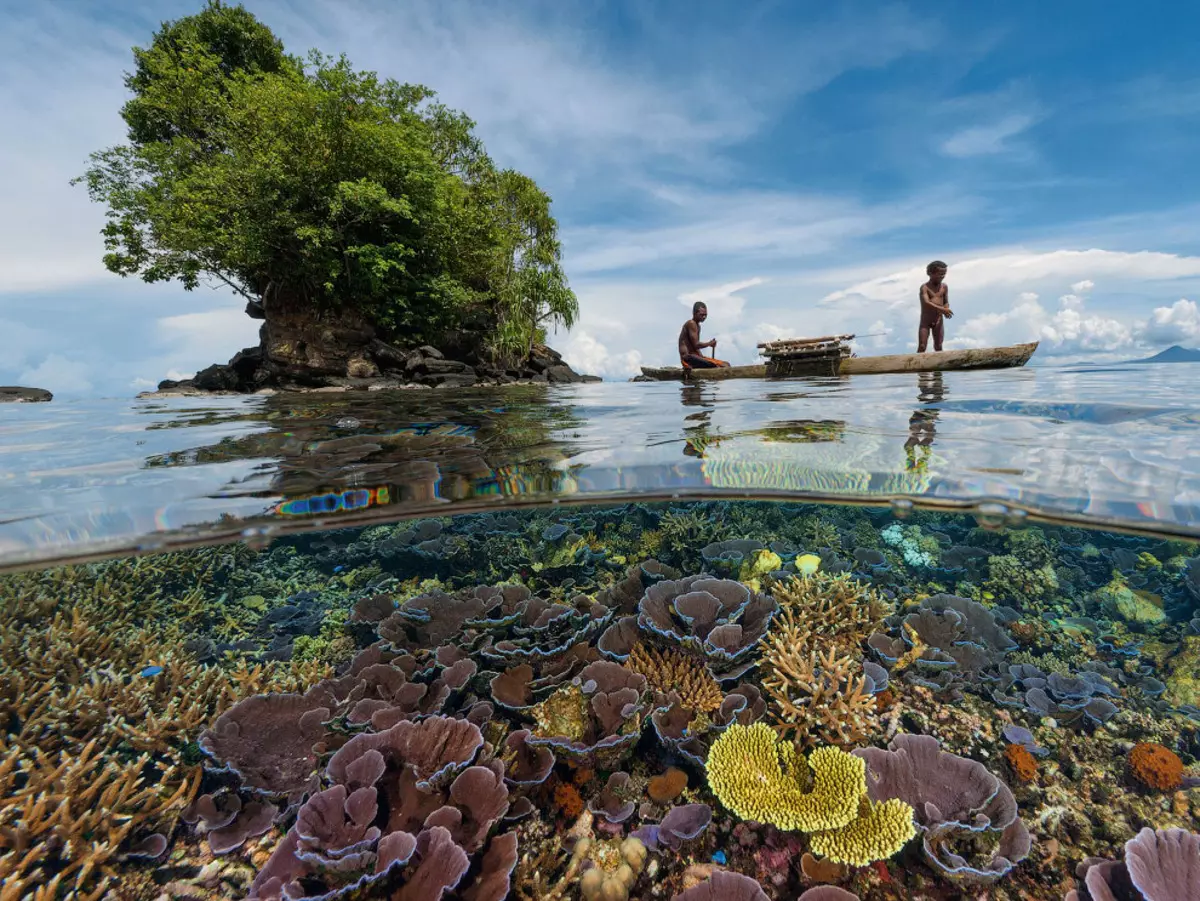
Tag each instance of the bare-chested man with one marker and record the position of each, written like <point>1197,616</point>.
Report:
<point>935,307</point>
<point>690,344</point>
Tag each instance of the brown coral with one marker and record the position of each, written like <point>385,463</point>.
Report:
<point>1021,762</point>
<point>1156,766</point>
<point>831,610</point>
<point>568,800</point>
<point>666,787</point>
<point>819,697</point>
<point>671,670</point>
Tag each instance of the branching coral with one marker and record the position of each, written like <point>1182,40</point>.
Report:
<point>670,670</point>
<point>819,697</point>
<point>835,610</point>
<point>98,710</point>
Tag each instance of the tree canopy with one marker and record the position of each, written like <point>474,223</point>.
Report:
<point>306,183</point>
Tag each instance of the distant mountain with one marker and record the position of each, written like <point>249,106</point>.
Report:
<point>1174,354</point>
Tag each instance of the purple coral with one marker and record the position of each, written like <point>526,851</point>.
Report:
<point>1162,865</point>
<point>268,740</point>
<point>614,699</point>
<point>724,886</point>
<point>719,618</point>
<point>950,795</point>
<point>681,824</point>
<point>541,629</point>
<point>612,803</point>
<point>408,805</point>
<point>674,723</point>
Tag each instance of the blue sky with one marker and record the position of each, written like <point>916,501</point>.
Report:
<point>793,164</point>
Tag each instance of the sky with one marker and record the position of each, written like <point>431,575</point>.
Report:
<point>793,165</point>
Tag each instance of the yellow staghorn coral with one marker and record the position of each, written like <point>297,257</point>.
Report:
<point>879,832</point>
<point>816,698</point>
<point>674,671</point>
<point>831,609</point>
<point>761,778</point>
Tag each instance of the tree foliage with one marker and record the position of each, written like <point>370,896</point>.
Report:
<point>307,183</point>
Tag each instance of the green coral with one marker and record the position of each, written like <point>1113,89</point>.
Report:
<point>1011,579</point>
<point>1134,606</point>
<point>1183,673</point>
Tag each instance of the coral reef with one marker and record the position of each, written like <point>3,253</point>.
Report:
<point>626,701</point>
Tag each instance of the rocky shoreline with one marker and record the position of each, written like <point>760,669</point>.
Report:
<point>381,367</point>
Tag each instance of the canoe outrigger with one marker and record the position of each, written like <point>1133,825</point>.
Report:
<point>785,362</point>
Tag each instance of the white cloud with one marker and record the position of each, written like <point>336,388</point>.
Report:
<point>58,375</point>
<point>723,301</point>
<point>979,140</point>
<point>1017,269</point>
<point>1083,287</point>
<point>1176,324</point>
<point>587,355</point>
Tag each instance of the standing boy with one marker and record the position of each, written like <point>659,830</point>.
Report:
<point>935,307</point>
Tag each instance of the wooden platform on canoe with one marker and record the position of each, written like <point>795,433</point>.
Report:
<point>977,358</point>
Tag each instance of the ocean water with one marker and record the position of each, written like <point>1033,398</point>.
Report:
<point>929,636</point>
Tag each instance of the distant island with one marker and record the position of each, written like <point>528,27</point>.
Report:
<point>1173,354</point>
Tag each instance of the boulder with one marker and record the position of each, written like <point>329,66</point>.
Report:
<point>448,379</point>
<point>14,394</point>
<point>434,365</point>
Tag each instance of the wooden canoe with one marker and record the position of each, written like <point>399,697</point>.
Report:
<point>978,358</point>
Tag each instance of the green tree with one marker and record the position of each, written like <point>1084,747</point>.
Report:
<point>325,193</point>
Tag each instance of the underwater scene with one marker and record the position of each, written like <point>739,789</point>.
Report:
<point>689,699</point>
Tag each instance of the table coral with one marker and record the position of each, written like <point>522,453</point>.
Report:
<point>759,777</point>
<point>879,831</point>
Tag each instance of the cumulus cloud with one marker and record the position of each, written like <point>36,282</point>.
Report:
<point>1176,324</point>
<point>1070,330</point>
<point>59,375</point>
<point>722,301</point>
<point>588,355</point>
<point>1083,287</point>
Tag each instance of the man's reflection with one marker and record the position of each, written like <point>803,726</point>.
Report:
<point>922,425</point>
<point>696,424</point>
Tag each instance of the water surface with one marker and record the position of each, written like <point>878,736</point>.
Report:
<point>1114,445</point>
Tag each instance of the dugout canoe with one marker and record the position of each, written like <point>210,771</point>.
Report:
<point>976,358</point>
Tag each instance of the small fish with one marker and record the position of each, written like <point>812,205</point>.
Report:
<point>150,671</point>
<point>338,568</point>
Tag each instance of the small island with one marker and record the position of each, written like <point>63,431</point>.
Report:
<point>363,221</point>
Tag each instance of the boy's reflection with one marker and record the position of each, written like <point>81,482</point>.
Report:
<point>922,425</point>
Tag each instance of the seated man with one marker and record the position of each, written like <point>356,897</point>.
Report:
<point>690,344</point>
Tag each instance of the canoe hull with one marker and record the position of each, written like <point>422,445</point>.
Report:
<point>976,358</point>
